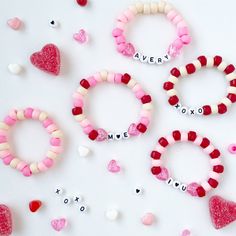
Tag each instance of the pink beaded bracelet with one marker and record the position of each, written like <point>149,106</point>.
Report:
<point>128,49</point>
<point>194,188</point>
<point>100,134</point>
<point>56,135</point>
<point>202,61</point>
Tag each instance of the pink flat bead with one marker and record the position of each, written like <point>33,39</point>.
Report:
<point>146,113</point>
<point>9,121</point>
<point>88,129</point>
<point>26,171</point>
<point>3,139</point>
<point>186,39</point>
<point>35,114</point>
<point>232,148</point>
<point>177,19</point>
<point>57,149</point>
<point>97,77</point>
<point>48,162</point>
<point>186,232</point>
<point>28,113</point>
<point>78,96</point>
<point>13,115</point>
<point>136,88</point>
<point>3,132</point>
<point>121,47</point>
<point>51,128</point>
<point>120,39</point>
<point>21,166</point>
<point>92,81</point>
<point>118,78</point>
<point>55,141</point>
<point>120,25</point>
<point>139,94</point>
<point>85,123</point>
<point>171,15</point>
<point>42,167</point>
<point>122,18</point>
<point>111,77</point>
<point>117,32</point>
<point>129,15</point>
<point>78,103</point>
<point>183,31</point>
<point>181,24</point>
<point>47,122</point>
<point>7,160</point>
<point>4,153</point>
<point>145,121</point>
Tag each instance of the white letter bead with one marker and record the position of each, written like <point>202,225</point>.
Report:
<point>110,137</point>
<point>159,61</point>
<point>67,200</point>
<point>78,198</point>
<point>200,111</point>
<point>184,110</point>
<point>144,59</point>
<point>166,57</point>
<point>151,60</point>
<point>59,191</point>
<point>83,208</point>
<point>176,184</point>
<point>191,111</point>
<point>170,181</point>
<point>125,135</point>
<point>137,56</point>
<point>118,136</point>
<point>178,106</point>
<point>183,187</point>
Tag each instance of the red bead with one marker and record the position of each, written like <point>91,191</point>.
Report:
<point>215,154</point>
<point>206,110</point>
<point>141,128</point>
<point>175,72</point>
<point>35,205</point>
<point>155,155</point>
<point>233,83</point>
<point>82,3</point>
<point>173,100</point>
<point>163,142</point>
<point>218,169</point>
<point>232,97</point>
<point>146,99</point>
<point>205,143</point>
<point>156,170</point>
<point>213,183</point>
<point>190,68</point>
<point>168,85</point>
<point>201,191</point>
<point>84,83</point>
<point>125,78</point>
<point>176,135</point>
<point>93,134</point>
<point>202,60</point>
<point>77,111</point>
<point>222,108</point>
<point>217,60</point>
<point>229,69</point>
<point>192,136</point>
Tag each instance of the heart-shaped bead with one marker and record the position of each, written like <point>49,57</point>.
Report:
<point>129,50</point>
<point>5,220</point>
<point>35,205</point>
<point>102,135</point>
<point>163,175</point>
<point>83,151</point>
<point>15,68</point>
<point>48,59</point>
<point>192,189</point>
<point>15,23</point>
<point>113,166</point>
<point>59,224</point>
<point>132,131</point>
<point>81,36</point>
<point>222,212</point>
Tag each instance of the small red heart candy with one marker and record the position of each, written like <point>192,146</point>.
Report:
<point>35,205</point>
<point>48,59</point>
<point>5,220</point>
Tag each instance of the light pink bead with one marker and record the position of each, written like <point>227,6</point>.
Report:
<point>3,139</point>
<point>145,121</point>
<point>55,141</point>
<point>139,94</point>
<point>28,113</point>
<point>214,175</point>
<point>156,162</point>
<point>122,18</point>
<point>57,149</point>
<point>178,44</point>
<point>21,165</point>
<point>36,114</point>
<point>88,129</point>
<point>129,15</point>
<point>146,113</point>
<point>85,123</point>
<point>92,81</point>
<point>7,160</point>
<point>181,24</point>
<point>117,32</point>
<point>97,77</point>
<point>148,219</point>
<point>232,148</point>
<point>184,136</point>
<point>26,171</point>
<point>160,149</point>
<point>171,15</point>
<point>3,132</point>
<point>121,47</point>
<point>51,128</point>
<point>120,39</point>
<point>183,31</point>
<point>170,139</point>
<point>120,25</point>
<point>186,39</point>
<point>42,167</point>
<point>136,88</point>
<point>186,232</point>
<point>118,78</point>
<point>78,103</point>
<point>78,96</point>
<point>206,186</point>
<point>9,121</point>
<point>13,115</point>
<point>48,162</point>
<point>47,122</point>
<point>215,161</point>
<point>111,77</point>
<point>177,19</point>
<point>4,153</point>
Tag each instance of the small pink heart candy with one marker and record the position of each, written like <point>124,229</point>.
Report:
<point>113,166</point>
<point>192,189</point>
<point>81,36</point>
<point>186,232</point>
<point>59,224</point>
<point>148,219</point>
<point>129,50</point>
<point>132,131</point>
<point>164,175</point>
<point>102,135</point>
<point>14,23</point>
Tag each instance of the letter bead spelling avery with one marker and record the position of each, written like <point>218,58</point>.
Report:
<point>194,189</point>
<point>206,110</point>
<point>100,134</point>
<point>127,49</point>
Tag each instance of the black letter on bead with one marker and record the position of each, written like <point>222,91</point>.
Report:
<point>66,201</point>
<point>125,134</point>
<point>177,106</point>
<point>110,136</point>
<point>76,199</point>
<point>58,191</point>
<point>159,60</point>
<point>184,110</point>
<point>192,112</point>
<point>136,56</point>
<point>184,188</point>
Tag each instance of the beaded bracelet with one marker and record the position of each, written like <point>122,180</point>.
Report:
<point>8,158</point>
<point>191,68</point>
<point>194,188</point>
<point>128,49</point>
<point>100,134</point>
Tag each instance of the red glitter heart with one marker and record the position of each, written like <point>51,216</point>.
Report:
<point>5,220</point>
<point>35,205</point>
<point>48,59</point>
<point>222,212</point>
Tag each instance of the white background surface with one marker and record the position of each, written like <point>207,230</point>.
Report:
<point>113,108</point>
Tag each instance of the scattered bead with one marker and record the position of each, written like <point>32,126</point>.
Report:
<point>59,191</point>
<point>67,200</point>
<point>53,23</point>
<point>81,37</point>
<point>232,148</point>
<point>35,205</point>
<point>14,23</point>
<point>78,199</point>
<point>186,232</point>
<point>59,224</point>
<point>113,166</point>
<point>82,3</point>
<point>5,220</point>
<point>83,208</point>
<point>148,219</point>
<point>112,214</point>
<point>15,69</point>
<point>138,191</point>
<point>84,151</point>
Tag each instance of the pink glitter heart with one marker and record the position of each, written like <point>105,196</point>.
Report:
<point>81,36</point>
<point>59,224</point>
<point>5,220</point>
<point>132,131</point>
<point>14,23</point>
<point>192,189</point>
<point>129,50</point>
<point>113,166</point>
<point>102,135</point>
<point>164,175</point>
<point>186,232</point>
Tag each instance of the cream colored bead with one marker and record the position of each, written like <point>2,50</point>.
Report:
<point>83,91</point>
<point>104,75</point>
<point>80,118</point>
<point>183,71</point>
<point>20,115</point>
<point>226,101</point>
<point>161,7</point>
<point>231,76</point>
<point>131,83</point>
<point>173,79</point>
<point>139,7</point>
<point>57,134</point>
<point>197,64</point>
<point>4,146</point>
<point>52,155</point>
<point>14,163</point>
<point>43,116</point>
<point>210,62</point>
<point>168,8</point>
<point>222,66</point>
<point>171,92</point>
<point>147,106</point>
<point>34,168</point>
<point>154,7</point>
<point>133,9</point>
<point>214,109</point>
<point>231,89</point>
<point>146,8</point>
<point>4,126</point>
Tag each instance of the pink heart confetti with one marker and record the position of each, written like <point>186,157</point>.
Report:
<point>192,189</point>
<point>132,131</point>
<point>81,36</point>
<point>186,232</point>
<point>129,50</point>
<point>14,23</point>
<point>113,166</point>
<point>102,135</point>
<point>5,220</point>
<point>59,224</point>
<point>164,175</point>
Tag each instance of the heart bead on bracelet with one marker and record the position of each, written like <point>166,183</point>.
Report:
<point>128,49</point>
<point>100,134</point>
<point>202,61</point>
<point>55,133</point>
<point>194,189</point>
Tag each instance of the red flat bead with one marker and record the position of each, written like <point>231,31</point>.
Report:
<point>175,72</point>
<point>173,100</point>
<point>84,83</point>
<point>222,108</point>
<point>168,85</point>
<point>190,68</point>
<point>146,99</point>
<point>201,191</point>
<point>206,110</point>
<point>213,183</point>
<point>229,69</point>
<point>233,83</point>
<point>77,111</point>
<point>155,155</point>
<point>176,135</point>
<point>192,136</point>
<point>163,142</point>
<point>217,60</point>
<point>141,128</point>
<point>218,169</point>
<point>205,143</point>
<point>82,3</point>
<point>203,60</point>
<point>156,170</point>
<point>125,78</point>
<point>232,97</point>
<point>215,154</point>
<point>93,134</point>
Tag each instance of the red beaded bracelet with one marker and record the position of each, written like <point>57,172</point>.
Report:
<point>191,68</point>
<point>194,188</point>
<point>100,134</point>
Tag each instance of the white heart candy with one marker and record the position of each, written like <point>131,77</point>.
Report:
<point>15,68</point>
<point>112,214</point>
<point>83,151</point>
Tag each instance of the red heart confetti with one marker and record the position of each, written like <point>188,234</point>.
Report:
<point>48,59</point>
<point>82,3</point>
<point>35,205</point>
<point>222,212</point>
<point>5,221</point>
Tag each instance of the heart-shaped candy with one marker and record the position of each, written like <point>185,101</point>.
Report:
<point>113,166</point>
<point>5,220</point>
<point>132,131</point>
<point>35,205</point>
<point>163,175</point>
<point>192,189</point>
<point>129,50</point>
<point>48,59</point>
<point>83,151</point>
<point>102,135</point>
<point>222,212</point>
<point>15,68</point>
<point>59,224</point>
<point>15,23</point>
<point>81,36</point>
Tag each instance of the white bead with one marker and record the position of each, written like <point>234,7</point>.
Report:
<point>137,56</point>
<point>110,136</point>
<point>59,191</point>
<point>139,7</point>
<point>146,9</point>
<point>154,7</point>
<point>178,106</point>
<point>131,83</point>
<point>80,117</point>
<point>183,187</point>
<point>210,62</point>
<point>226,101</point>
<point>176,184</point>
<point>4,126</point>
<point>222,66</point>
<point>83,208</point>
<point>112,214</point>
<point>53,23</point>
<point>162,6</point>
<point>210,148</point>
<point>214,109</point>
<point>173,79</point>
<point>4,146</point>
<point>138,191</point>
<point>231,76</point>
<point>83,91</point>
<point>67,200</point>
<point>125,135</point>
<point>166,57</point>
<point>83,151</point>
<point>78,198</point>
<point>144,59</point>
<point>184,136</point>
<point>169,181</point>
<point>147,106</point>
<point>183,71</point>
<point>133,9</point>
<point>231,89</point>
<point>15,69</point>
<point>199,111</point>
<point>171,92</point>
<point>197,64</point>
<point>184,110</point>
<point>43,116</point>
<point>159,61</point>
<point>216,161</point>
<point>168,8</point>
<point>118,136</point>
<point>151,60</point>
<point>104,75</point>
<point>192,111</point>
<point>20,115</point>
